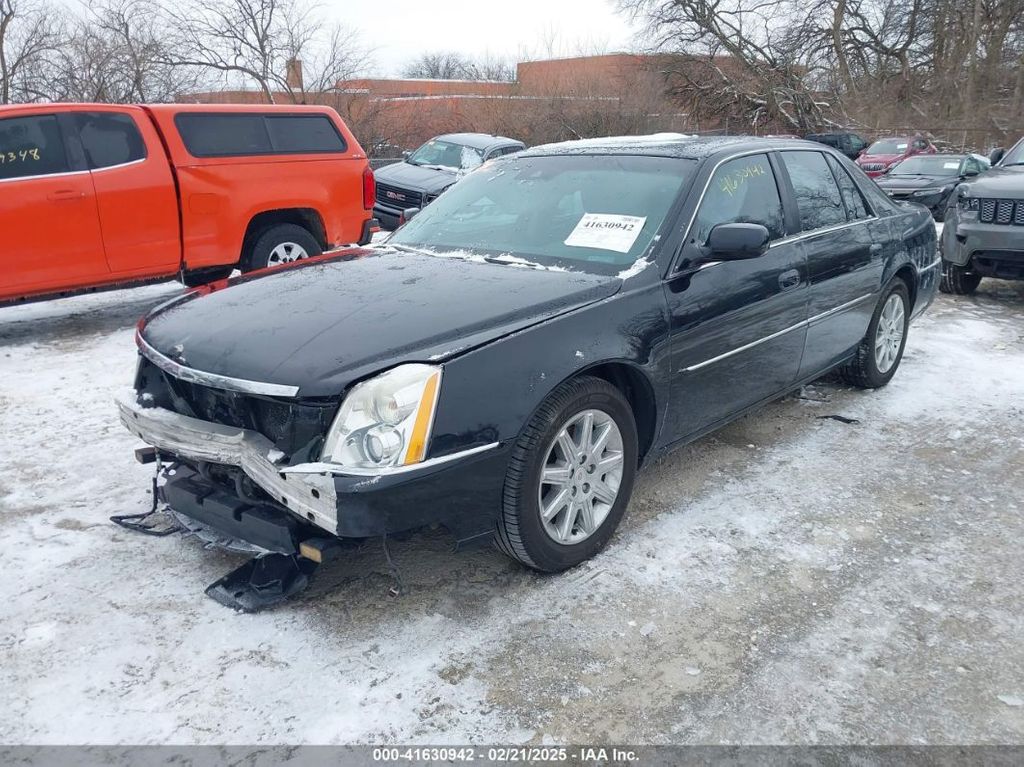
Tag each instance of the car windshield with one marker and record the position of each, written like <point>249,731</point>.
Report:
<point>1015,156</point>
<point>447,154</point>
<point>928,165</point>
<point>596,213</point>
<point>888,146</point>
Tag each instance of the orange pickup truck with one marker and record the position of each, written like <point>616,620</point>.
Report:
<point>98,195</point>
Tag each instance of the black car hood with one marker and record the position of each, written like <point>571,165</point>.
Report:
<point>417,177</point>
<point>999,182</point>
<point>323,324</point>
<point>917,182</point>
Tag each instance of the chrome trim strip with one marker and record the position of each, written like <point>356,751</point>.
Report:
<point>930,266</point>
<point>837,309</point>
<point>822,230</point>
<point>214,380</point>
<point>805,323</point>
<point>348,471</point>
<point>745,347</point>
<point>119,165</point>
<point>64,174</point>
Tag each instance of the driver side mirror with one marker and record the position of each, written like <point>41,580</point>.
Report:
<point>736,242</point>
<point>406,155</point>
<point>996,155</point>
<point>970,171</point>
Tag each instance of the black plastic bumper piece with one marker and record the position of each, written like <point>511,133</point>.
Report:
<point>262,582</point>
<point>188,493</point>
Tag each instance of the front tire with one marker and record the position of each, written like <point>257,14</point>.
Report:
<point>570,477</point>
<point>281,244</point>
<point>958,280</point>
<point>881,351</point>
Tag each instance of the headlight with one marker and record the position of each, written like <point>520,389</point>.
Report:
<point>932,190</point>
<point>385,421</point>
<point>964,201</point>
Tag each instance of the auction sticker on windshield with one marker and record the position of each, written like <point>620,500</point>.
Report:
<point>606,231</point>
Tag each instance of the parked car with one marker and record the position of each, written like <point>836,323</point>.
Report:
<point>431,169</point>
<point>97,195</point>
<point>984,231</point>
<point>929,180</point>
<point>885,153</point>
<point>849,144</point>
<point>522,346</point>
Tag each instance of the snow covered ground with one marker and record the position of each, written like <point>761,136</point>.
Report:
<point>790,579</point>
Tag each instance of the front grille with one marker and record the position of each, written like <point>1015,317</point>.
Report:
<point>1003,212</point>
<point>396,197</point>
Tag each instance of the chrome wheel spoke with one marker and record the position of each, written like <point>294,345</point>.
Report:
<point>604,493</point>
<point>550,509</point>
<point>889,333</point>
<point>586,519</point>
<point>568,522</point>
<point>569,450</point>
<point>609,463</point>
<point>555,475</point>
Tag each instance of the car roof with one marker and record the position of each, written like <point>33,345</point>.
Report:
<point>670,145</point>
<point>476,140</point>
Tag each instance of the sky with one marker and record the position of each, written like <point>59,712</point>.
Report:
<point>400,30</point>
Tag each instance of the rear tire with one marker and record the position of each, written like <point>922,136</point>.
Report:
<point>597,480</point>
<point>958,280</point>
<point>880,353</point>
<point>281,244</point>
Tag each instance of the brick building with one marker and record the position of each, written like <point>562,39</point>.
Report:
<point>553,99</point>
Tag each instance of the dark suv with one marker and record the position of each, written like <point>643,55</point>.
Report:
<point>984,231</point>
<point>431,169</point>
<point>849,144</point>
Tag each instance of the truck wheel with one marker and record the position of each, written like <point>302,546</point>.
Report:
<point>195,277</point>
<point>281,244</point>
<point>881,351</point>
<point>570,477</point>
<point>958,280</point>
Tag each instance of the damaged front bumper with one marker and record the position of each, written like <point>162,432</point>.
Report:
<point>310,496</point>
<point>461,490</point>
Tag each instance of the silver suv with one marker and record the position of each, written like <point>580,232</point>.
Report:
<point>984,230</point>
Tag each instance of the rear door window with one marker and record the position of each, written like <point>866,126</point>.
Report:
<point>238,135</point>
<point>856,207</point>
<point>31,146</point>
<point>818,199</point>
<point>109,139</point>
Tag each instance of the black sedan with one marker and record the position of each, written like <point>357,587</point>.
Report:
<point>929,179</point>
<point>521,347</point>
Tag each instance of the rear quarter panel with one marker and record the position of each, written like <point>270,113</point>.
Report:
<point>221,195</point>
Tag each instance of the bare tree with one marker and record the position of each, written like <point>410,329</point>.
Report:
<point>30,35</point>
<point>118,52</point>
<point>258,42</point>
<point>455,66</point>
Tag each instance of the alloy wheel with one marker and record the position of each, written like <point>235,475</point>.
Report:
<point>581,476</point>
<point>285,253</point>
<point>889,334</point>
